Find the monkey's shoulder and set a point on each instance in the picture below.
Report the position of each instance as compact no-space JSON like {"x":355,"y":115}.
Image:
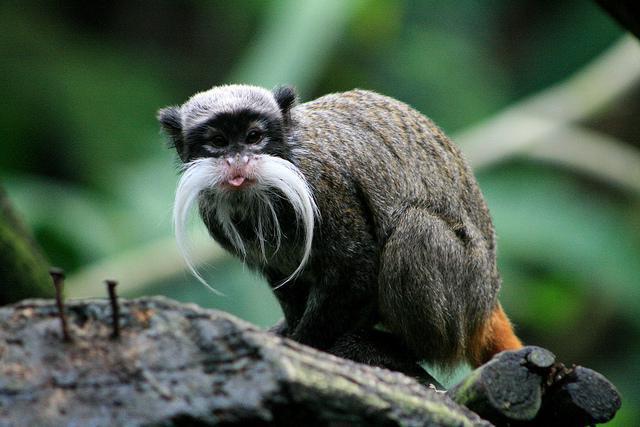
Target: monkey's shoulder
{"x":375,"y":138}
{"x":356,"y":103}
{"x":362,"y":116}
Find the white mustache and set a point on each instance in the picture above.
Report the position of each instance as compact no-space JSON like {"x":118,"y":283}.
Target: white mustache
{"x":270,"y":173}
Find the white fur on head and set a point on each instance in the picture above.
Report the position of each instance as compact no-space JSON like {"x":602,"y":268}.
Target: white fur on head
{"x":227,"y":99}
{"x":272,"y":176}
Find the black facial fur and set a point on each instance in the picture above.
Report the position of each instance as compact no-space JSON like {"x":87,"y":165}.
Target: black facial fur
{"x":234,"y":127}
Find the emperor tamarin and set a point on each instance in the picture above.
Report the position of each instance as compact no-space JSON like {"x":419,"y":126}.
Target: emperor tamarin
{"x":357,"y":210}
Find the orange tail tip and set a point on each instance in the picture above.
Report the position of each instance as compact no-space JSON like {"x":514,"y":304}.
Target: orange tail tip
{"x":495,"y":336}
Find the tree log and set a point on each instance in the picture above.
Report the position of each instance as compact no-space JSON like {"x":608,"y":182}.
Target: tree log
{"x":177,"y":364}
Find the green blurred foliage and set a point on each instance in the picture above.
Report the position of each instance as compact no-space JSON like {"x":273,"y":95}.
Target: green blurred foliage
{"x":83,"y":161}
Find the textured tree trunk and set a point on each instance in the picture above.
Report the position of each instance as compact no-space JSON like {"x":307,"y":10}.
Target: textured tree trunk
{"x":178,"y":364}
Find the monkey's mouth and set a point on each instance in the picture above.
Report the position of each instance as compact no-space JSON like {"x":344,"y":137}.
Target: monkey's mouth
{"x":237,"y":182}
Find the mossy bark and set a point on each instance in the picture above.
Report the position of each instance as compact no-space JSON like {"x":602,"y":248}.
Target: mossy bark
{"x":23,"y":268}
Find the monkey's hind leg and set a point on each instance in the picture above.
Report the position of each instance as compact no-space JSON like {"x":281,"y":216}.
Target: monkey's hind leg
{"x":438,"y":288}
{"x":379,"y":348}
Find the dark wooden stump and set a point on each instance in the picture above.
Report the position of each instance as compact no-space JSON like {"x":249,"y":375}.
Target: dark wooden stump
{"x":528,"y":387}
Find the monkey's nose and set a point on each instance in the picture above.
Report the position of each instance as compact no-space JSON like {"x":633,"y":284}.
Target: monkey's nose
{"x":240,"y":160}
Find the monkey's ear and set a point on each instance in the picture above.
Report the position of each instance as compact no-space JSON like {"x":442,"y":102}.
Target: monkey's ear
{"x":286,"y":98}
{"x":171,"y":123}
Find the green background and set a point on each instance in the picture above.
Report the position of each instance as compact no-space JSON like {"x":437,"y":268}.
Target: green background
{"x":83,"y":161}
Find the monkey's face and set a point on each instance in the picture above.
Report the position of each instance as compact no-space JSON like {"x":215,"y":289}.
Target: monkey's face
{"x":236,"y":141}
{"x":233,"y":126}
{"x":237,"y":164}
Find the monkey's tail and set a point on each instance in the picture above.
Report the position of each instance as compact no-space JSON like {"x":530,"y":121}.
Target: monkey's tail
{"x":494,"y":336}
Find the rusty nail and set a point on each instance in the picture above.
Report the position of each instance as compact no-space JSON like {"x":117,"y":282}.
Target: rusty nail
{"x":115,"y":308}
{"x":57,"y":274}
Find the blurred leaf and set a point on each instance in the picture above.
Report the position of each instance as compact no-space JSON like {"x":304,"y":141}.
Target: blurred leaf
{"x":92,"y":101}
{"x":146,"y":188}
{"x":547,"y":217}
{"x":82,"y":218}
{"x":295,"y":42}
{"x":543,"y":303}
{"x":435,"y":70}
{"x":245,"y":294}
{"x":554,"y":39}
{"x":376,"y":24}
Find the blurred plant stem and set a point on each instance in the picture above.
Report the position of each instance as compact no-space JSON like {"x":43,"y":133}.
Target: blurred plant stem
{"x":294,"y":44}
{"x":590,"y":152}
{"x":544,"y":127}
{"x":23,"y":268}
{"x":545,"y":117}
{"x":137,"y":268}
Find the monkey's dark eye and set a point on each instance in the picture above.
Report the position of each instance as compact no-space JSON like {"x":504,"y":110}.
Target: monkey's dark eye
{"x":254,"y":136}
{"x":218,"y":140}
